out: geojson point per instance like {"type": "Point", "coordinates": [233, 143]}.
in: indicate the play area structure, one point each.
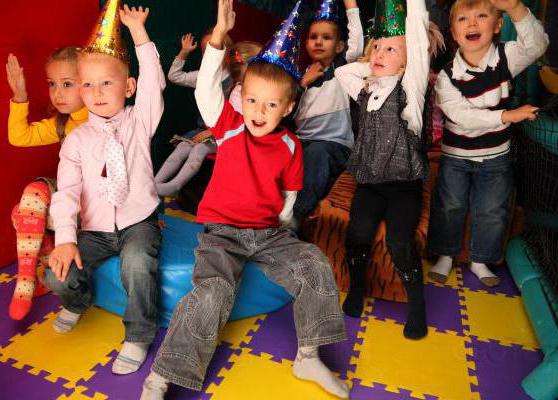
{"type": "Point", "coordinates": [483, 343]}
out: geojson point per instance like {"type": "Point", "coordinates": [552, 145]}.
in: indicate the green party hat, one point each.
{"type": "Point", "coordinates": [389, 19]}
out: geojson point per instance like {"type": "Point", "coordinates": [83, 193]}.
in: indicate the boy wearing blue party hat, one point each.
{"type": "Point", "coordinates": [322, 118]}
{"type": "Point", "coordinates": [257, 173]}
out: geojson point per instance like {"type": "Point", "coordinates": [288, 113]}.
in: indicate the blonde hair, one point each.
{"type": "Point", "coordinates": [273, 73]}
{"type": "Point", "coordinates": [239, 55]}
{"type": "Point", "coordinates": [435, 43]}
{"type": "Point", "coordinates": [69, 55]}
{"type": "Point", "coordinates": [459, 4]}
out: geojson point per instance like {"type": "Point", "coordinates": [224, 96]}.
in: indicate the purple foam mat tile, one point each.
{"type": "Point", "coordinates": [442, 309]}
{"type": "Point", "coordinates": [172, 204]}
{"type": "Point", "coordinates": [276, 335]}
{"type": "Point", "coordinates": [507, 285]}
{"type": "Point", "coordinates": [500, 369]}
{"type": "Point", "coordinates": [10, 269]}
{"type": "Point", "coordinates": [130, 386]}
{"type": "Point", "coordinates": [21, 385]}
{"type": "Point", "coordinates": [41, 306]}
{"type": "Point", "coordinates": [378, 392]}
{"type": "Point", "coordinates": [337, 356]}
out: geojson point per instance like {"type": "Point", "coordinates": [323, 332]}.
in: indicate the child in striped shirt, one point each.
{"type": "Point", "coordinates": [473, 92]}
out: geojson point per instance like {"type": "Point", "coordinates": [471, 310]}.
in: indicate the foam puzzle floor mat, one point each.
{"type": "Point", "coordinates": [479, 346]}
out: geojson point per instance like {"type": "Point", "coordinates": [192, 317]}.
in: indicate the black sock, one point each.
{"type": "Point", "coordinates": [416, 326]}
{"type": "Point", "coordinates": [357, 263]}
{"type": "Point", "coordinates": [354, 303]}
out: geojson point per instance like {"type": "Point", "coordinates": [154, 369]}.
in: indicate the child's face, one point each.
{"type": "Point", "coordinates": [323, 43]}
{"type": "Point", "coordinates": [264, 104]}
{"type": "Point", "coordinates": [105, 84]}
{"type": "Point", "coordinates": [388, 56]}
{"type": "Point", "coordinates": [63, 86]}
{"type": "Point", "coordinates": [474, 28]}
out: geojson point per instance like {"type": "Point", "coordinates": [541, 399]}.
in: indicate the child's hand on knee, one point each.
{"type": "Point", "coordinates": [61, 258]}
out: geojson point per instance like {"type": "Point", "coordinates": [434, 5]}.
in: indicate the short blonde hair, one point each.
{"type": "Point", "coordinates": [460, 4]}
{"type": "Point", "coordinates": [275, 74]}
{"type": "Point", "coordinates": [239, 55]}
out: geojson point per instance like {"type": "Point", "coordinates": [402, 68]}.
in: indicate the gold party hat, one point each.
{"type": "Point", "coordinates": [106, 37]}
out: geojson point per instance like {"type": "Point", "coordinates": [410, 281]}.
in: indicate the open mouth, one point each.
{"type": "Point", "coordinates": [473, 36]}
{"type": "Point", "coordinates": [258, 124]}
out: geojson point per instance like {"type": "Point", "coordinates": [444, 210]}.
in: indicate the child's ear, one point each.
{"type": "Point", "coordinates": [340, 47]}
{"type": "Point", "coordinates": [130, 87]}
{"type": "Point", "coordinates": [289, 108]}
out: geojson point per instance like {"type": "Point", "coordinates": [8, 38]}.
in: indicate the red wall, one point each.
{"type": "Point", "coordinates": [31, 30]}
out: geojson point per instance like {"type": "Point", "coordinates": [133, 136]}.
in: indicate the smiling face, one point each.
{"type": "Point", "coordinates": [63, 87]}
{"type": "Point", "coordinates": [105, 84]}
{"type": "Point", "coordinates": [323, 42]}
{"type": "Point", "coordinates": [388, 56]}
{"type": "Point", "coordinates": [265, 102]}
{"type": "Point", "coordinates": [474, 27]}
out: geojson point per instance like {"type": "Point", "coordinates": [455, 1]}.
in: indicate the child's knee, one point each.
{"type": "Point", "coordinates": [314, 270]}
{"type": "Point", "coordinates": [208, 307]}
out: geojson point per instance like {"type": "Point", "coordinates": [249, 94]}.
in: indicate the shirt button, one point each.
{"type": "Point", "coordinates": [375, 97]}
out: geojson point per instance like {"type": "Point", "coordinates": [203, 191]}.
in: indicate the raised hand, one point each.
{"type": "Point", "coordinates": [225, 16]}
{"type": "Point", "coordinates": [188, 43]}
{"type": "Point", "coordinates": [515, 8]}
{"type": "Point", "coordinates": [16, 79]}
{"type": "Point", "coordinates": [350, 4]}
{"type": "Point", "coordinates": [132, 16]}
{"type": "Point", "coordinates": [135, 19]}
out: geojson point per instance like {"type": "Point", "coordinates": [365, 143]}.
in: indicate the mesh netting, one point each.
{"type": "Point", "coordinates": [536, 150]}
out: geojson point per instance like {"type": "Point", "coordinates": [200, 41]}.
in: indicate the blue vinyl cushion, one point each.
{"type": "Point", "coordinates": [257, 294]}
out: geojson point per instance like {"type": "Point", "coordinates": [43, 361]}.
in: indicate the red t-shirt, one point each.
{"type": "Point", "coordinates": [250, 174]}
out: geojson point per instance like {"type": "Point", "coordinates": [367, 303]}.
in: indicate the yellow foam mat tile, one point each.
{"type": "Point", "coordinates": [6, 278]}
{"type": "Point", "coordinates": [236, 332]}
{"type": "Point", "coordinates": [78, 395]}
{"type": "Point", "coordinates": [387, 358]}
{"type": "Point", "coordinates": [452, 278]}
{"type": "Point", "coordinates": [69, 356]}
{"type": "Point", "coordinates": [258, 377]}
{"type": "Point", "coordinates": [180, 214]}
{"type": "Point", "coordinates": [500, 318]}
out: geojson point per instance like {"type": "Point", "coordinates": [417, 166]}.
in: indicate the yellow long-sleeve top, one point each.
{"type": "Point", "coordinates": [21, 133]}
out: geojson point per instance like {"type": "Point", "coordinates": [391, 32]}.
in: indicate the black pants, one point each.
{"type": "Point", "coordinates": [399, 204]}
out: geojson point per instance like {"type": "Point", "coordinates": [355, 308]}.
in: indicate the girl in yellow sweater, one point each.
{"type": "Point", "coordinates": [30, 216]}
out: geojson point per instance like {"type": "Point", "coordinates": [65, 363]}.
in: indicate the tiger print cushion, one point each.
{"type": "Point", "coordinates": [327, 227]}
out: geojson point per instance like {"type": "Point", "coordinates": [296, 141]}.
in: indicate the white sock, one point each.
{"type": "Point", "coordinates": [130, 358]}
{"type": "Point", "coordinates": [484, 274]}
{"type": "Point", "coordinates": [154, 387]}
{"type": "Point", "coordinates": [66, 321]}
{"type": "Point", "coordinates": [308, 366]}
{"type": "Point", "coordinates": [442, 268]}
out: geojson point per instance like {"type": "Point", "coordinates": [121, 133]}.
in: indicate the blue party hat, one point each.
{"type": "Point", "coordinates": [329, 11]}
{"type": "Point", "coordinates": [283, 49]}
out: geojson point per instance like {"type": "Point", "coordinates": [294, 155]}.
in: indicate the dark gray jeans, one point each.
{"type": "Point", "coordinates": [301, 268]}
{"type": "Point", "coordinates": [138, 248]}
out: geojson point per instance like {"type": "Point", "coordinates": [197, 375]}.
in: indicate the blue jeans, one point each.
{"type": "Point", "coordinates": [323, 162]}
{"type": "Point", "coordinates": [138, 248]}
{"type": "Point", "coordinates": [483, 188]}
